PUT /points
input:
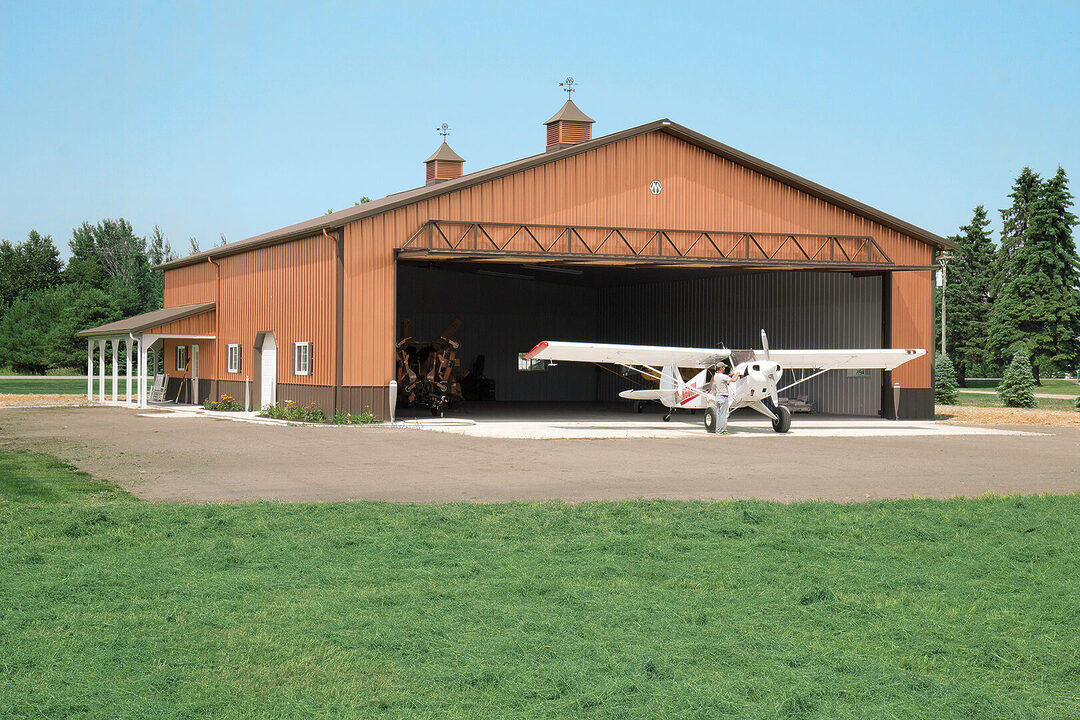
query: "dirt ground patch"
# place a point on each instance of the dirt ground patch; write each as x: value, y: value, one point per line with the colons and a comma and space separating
x: 1009, y: 416
x: 162, y: 456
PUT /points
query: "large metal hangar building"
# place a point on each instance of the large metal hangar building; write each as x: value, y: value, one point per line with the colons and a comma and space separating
x: 654, y: 235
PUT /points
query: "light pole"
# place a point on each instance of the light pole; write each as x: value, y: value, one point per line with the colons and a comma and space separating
x: 944, y: 262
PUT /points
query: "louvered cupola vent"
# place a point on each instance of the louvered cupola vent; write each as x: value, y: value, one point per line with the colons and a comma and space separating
x: 568, y: 127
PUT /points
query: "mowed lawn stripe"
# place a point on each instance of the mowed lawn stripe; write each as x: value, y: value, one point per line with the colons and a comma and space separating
x: 55, y: 386
x: 959, y: 608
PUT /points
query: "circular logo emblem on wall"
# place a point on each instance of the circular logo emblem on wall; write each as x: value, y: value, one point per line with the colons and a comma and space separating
x: 655, y: 187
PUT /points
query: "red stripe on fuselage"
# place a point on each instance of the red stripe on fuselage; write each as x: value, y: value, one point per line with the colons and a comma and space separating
x: 687, y: 394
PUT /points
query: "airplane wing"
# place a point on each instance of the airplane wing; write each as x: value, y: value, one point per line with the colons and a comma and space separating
x: 627, y: 354
x: 862, y: 359
x: 646, y: 394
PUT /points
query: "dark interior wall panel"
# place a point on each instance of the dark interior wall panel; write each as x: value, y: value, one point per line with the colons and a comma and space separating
x: 797, y: 310
x: 501, y: 317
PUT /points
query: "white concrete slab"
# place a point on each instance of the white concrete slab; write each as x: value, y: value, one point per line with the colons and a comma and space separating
x: 651, y: 426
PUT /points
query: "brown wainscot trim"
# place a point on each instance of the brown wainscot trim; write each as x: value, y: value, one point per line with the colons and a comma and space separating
x: 321, y: 395
x: 915, y: 404
x: 235, y: 388
x: 357, y: 399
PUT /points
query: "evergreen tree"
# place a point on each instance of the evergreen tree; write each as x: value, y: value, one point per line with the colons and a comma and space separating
x: 38, y: 332
x: 1017, y: 387
x: 968, y: 287
x: 83, y: 307
x: 28, y: 267
x: 1014, y: 220
x: 1038, y: 307
x: 945, y: 391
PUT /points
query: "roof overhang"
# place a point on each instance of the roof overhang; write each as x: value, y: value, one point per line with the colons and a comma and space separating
x: 391, y: 202
x: 145, y: 321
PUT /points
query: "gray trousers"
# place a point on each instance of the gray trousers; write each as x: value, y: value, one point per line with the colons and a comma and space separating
x: 722, y: 405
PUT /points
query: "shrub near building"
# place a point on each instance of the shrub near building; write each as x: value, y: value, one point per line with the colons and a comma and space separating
x: 945, y: 388
x: 1017, y: 388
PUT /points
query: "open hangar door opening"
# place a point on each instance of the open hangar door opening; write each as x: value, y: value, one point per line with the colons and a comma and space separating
x: 506, y: 308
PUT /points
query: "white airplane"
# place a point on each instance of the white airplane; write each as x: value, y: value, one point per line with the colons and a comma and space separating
x: 758, y: 371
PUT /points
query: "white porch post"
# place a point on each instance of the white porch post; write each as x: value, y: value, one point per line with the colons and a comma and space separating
x: 127, y: 371
x: 142, y: 373
x: 90, y: 370
x: 101, y: 370
x: 115, y: 367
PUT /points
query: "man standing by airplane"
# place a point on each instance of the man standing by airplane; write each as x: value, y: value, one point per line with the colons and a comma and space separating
x: 720, y: 389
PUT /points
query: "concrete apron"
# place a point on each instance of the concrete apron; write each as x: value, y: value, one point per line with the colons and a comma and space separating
x: 577, y: 425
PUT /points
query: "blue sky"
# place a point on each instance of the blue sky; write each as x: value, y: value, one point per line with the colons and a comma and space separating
x: 239, y: 118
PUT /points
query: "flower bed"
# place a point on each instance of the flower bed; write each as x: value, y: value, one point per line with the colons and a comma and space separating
x: 312, y: 413
x: 225, y: 402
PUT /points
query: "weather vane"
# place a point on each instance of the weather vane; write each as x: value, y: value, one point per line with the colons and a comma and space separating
x: 443, y: 130
x: 568, y: 86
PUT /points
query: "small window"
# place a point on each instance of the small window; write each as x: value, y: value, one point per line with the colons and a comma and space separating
x: 181, y: 358
x: 302, y: 358
x: 233, y: 354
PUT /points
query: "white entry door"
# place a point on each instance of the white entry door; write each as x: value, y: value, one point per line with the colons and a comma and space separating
x: 268, y: 371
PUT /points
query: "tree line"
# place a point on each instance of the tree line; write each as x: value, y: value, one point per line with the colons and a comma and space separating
x: 44, y: 302
x: 1022, y: 295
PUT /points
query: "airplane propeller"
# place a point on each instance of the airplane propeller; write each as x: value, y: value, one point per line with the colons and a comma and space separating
x: 772, y: 386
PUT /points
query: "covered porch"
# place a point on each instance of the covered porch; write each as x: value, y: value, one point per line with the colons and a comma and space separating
x: 167, y: 356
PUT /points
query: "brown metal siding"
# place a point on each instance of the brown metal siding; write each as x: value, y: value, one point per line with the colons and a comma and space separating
x: 189, y: 285
x: 322, y: 396
x: 912, y: 325
x: 373, y: 399
x: 206, y: 359
x: 369, y: 300
x: 607, y: 186
x: 202, y: 324
x: 287, y: 289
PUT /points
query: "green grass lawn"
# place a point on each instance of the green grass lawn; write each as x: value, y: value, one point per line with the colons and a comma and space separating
x: 51, y: 386
x: 111, y: 607
x: 968, y: 399
x: 1054, y: 386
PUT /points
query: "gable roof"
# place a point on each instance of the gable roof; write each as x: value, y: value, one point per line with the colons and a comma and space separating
x: 138, y: 323
x: 391, y: 202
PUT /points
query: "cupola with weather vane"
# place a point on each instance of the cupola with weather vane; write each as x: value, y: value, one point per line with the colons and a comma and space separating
x: 569, y: 126
x: 444, y: 163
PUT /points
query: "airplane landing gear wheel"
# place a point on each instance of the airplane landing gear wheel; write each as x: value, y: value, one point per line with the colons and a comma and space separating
x: 782, y: 423
x: 667, y: 417
x: 639, y: 407
x: 712, y: 419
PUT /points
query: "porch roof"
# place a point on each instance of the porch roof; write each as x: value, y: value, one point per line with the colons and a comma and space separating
x: 138, y: 323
